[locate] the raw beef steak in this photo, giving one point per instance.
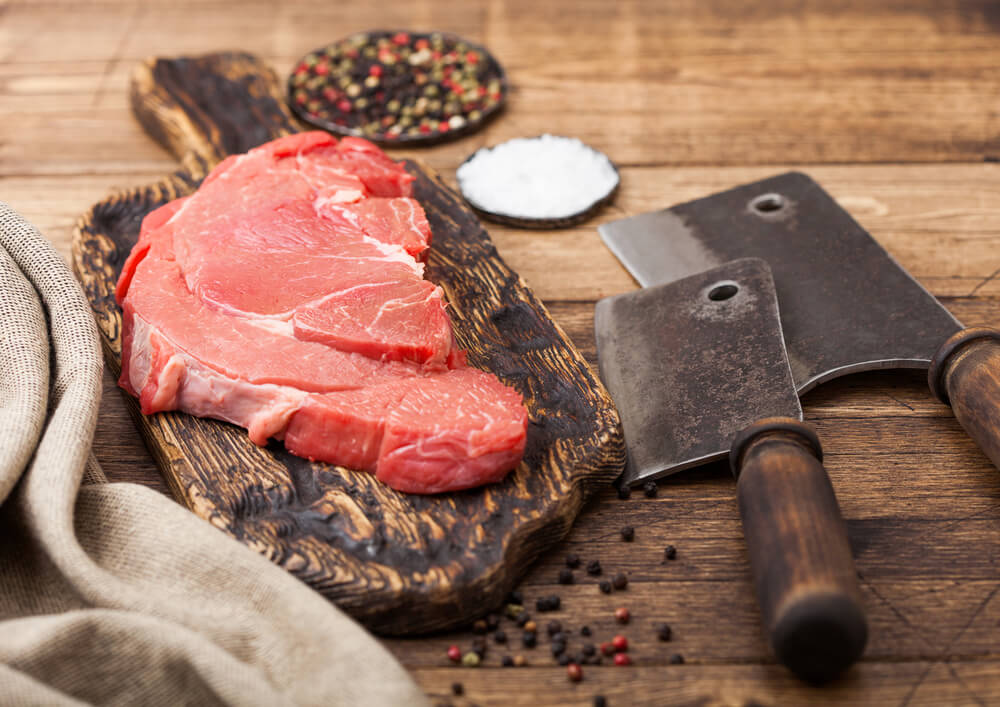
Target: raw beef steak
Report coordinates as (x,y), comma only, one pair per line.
(287,296)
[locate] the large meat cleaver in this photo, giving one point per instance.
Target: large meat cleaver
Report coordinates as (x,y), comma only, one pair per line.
(698,371)
(846,305)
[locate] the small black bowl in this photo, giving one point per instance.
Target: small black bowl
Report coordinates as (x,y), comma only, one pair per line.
(543,224)
(491,69)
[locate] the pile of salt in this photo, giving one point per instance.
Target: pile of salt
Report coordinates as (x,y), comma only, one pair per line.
(545,177)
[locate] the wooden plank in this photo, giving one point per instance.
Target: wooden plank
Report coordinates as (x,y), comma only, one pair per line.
(809,84)
(942,222)
(671,685)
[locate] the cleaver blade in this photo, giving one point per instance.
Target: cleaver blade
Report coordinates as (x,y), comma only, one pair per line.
(846,304)
(698,371)
(689,367)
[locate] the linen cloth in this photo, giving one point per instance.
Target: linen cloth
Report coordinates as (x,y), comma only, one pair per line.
(111,593)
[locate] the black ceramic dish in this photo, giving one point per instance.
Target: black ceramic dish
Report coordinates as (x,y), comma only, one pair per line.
(488,69)
(546,223)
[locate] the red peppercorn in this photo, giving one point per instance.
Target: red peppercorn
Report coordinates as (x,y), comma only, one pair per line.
(472,57)
(344,105)
(421,44)
(375,70)
(622,659)
(454,654)
(351,53)
(322,69)
(400,38)
(425,128)
(622,615)
(620,644)
(330,93)
(574,672)
(481,91)
(302,69)
(607,648)
(443,127)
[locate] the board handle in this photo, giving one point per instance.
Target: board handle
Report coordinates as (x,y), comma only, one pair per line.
(205,108)
(803,571)
(965,374)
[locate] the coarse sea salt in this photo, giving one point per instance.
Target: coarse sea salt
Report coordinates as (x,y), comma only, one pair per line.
(545,177)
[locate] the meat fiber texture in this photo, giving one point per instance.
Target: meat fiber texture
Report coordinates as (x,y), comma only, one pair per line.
(287,296)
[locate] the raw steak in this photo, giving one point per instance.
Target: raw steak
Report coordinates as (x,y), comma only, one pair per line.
(287,296)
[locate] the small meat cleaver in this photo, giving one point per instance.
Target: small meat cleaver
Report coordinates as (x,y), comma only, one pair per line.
(846,305)
(698,371)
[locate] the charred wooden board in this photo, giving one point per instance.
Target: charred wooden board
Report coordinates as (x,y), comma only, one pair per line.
(399,563)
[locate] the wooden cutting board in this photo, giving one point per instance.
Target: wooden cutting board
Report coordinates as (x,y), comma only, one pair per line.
(399,563)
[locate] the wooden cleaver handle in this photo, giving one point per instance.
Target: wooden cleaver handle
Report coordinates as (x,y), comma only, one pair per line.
(804,574)
(965,373)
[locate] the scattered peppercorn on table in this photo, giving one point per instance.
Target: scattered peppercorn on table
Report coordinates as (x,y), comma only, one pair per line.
(649,600)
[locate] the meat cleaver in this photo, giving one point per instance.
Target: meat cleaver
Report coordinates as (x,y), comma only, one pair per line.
(698,370)
(846,304)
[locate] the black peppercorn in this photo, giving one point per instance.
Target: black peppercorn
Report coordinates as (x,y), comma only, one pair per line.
(523,618)
(649,488)
(585,630)
(664,632)
(553,628)
(558,648)
(670,552)
(563,659)
(492,621)
(600,701)
(529,639)
(620,581)
(624,492)
(676,659)
(572,561)
(589,649)
(457,689)
(628,533)
(507,661)
(549,603)
(605,586)
(565,576)
(594,568)
(500,636)
(479,646)
(515,597)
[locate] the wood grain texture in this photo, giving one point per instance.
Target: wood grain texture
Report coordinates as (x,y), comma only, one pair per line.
(399,563)
(890,106)
(965,373)
(803,571)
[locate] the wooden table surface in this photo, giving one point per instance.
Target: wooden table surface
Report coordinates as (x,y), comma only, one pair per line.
(894,107)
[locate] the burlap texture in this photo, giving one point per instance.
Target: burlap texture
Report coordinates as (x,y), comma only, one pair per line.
(113,594)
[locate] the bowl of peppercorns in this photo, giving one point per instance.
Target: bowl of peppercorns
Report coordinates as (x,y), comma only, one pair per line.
(398,87)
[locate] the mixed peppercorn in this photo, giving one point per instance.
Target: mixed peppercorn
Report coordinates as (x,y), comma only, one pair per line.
(397,86)
(561,642)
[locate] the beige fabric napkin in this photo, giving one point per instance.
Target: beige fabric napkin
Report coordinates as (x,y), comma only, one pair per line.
(113,594)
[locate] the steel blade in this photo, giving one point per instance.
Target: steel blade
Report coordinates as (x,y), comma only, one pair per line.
(846,304)
(689,368)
